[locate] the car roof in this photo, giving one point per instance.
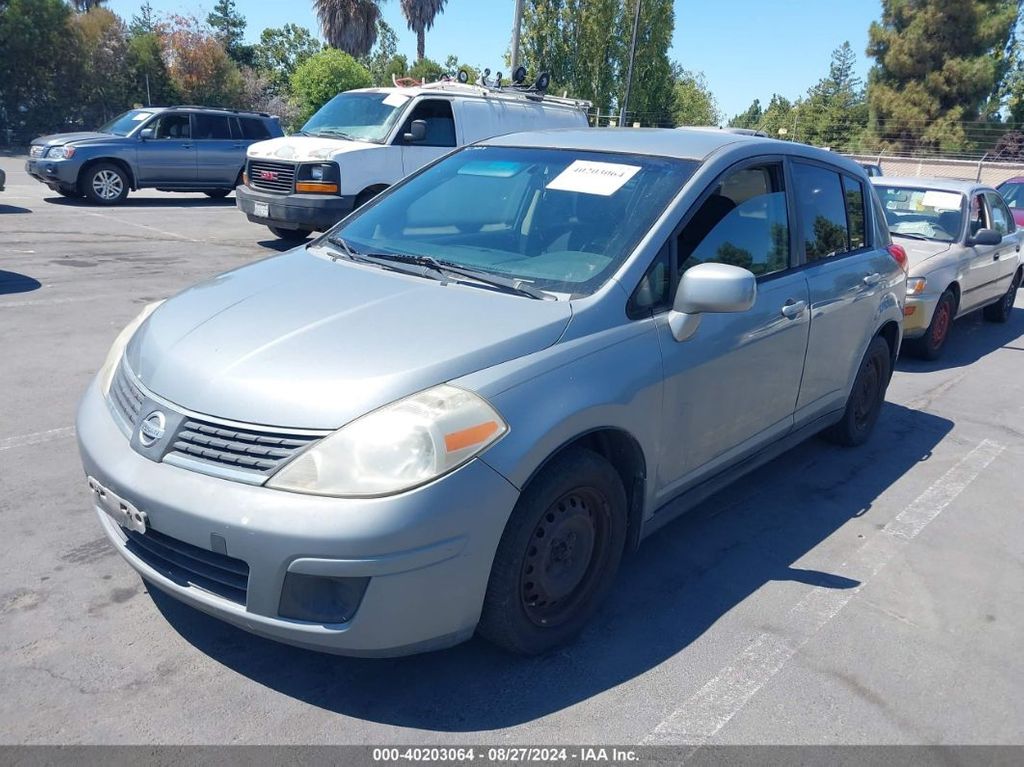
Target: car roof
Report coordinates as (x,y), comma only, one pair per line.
(200,108)
(681,143)
(924,182)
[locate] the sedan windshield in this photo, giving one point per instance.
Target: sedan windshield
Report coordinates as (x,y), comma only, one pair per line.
(557,220)
(358,116)
(928,214)
(124,124)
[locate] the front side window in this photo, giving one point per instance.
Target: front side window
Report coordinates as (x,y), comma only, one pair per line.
(357,116)
(979,215)
(1002,219)
(560,220)
(819,194)
(437,114)
(171,126)
(926,214)
(743,222)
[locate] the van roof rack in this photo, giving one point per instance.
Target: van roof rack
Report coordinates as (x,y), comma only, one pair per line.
(530,93)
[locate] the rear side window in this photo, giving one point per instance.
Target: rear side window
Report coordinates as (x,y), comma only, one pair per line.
(210,127)
(819,194)
(253,129)
(744,222)
(854,193)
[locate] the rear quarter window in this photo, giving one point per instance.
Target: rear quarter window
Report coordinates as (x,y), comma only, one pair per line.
(253,129)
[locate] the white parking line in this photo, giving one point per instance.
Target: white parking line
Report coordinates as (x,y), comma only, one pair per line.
(709,709)
(49,301)
(37,438)
(146,226)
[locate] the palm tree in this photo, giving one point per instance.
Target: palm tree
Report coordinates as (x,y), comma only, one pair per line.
(421,14)
(350,25)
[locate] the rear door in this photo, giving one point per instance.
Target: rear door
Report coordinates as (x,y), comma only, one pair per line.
(170,157)
(440,138)
(846,275)
(1007,254)
(220,152)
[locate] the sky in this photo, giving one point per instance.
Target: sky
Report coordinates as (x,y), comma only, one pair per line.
(746,49)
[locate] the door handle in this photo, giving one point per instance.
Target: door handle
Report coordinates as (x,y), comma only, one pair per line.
(872,279)
(186,146)
(793,309)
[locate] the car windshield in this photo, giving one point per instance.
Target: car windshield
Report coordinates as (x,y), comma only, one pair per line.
(359,116)
(1013,193)
(930,214)
(124,124)
(558,220)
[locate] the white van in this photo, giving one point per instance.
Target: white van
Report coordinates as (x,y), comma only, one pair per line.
(362,141)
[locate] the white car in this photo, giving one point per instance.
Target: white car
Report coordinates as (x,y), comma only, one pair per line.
(363,141)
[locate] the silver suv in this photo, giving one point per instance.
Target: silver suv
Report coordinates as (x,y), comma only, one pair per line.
(458,409)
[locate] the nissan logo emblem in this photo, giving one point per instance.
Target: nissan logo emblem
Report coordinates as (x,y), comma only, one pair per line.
(152,428)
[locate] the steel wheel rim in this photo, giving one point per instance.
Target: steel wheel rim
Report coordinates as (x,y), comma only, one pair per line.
(107,184)
(564,555)
(940,324)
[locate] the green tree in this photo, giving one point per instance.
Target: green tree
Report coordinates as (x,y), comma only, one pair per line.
(143,22)
(151,82)
(751,118)
(420,15)
(281,51)
(229,27)
(939,63)
(200,68)
(106,83)
(652,93)
(692,100)
(427,70)
(384,61)
(781,115)
(835,112)
(323,76)
(349,25)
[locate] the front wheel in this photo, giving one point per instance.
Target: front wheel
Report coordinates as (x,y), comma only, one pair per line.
(69,192)
(558,555)
(104,184)
(1000,311)
(292,235)
(218,194)
(931,344)
(867,397)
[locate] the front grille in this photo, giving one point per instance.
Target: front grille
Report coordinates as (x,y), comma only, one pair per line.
(126,396)
(272,176)
(250,449)
(189,565)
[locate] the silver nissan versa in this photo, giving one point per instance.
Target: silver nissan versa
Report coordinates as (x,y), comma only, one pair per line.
(458,409)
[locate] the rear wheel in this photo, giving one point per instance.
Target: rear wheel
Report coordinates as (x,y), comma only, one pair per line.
(1000,311)
(931,344)
(558,555)
(104,184)
(866,400)
(292,235)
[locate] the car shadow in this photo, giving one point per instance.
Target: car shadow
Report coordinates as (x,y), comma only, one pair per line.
(685,578)
(7,209)
(13,282)
(170,201)
(971,338)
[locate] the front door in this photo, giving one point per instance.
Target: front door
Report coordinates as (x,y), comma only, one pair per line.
(439,139)
(170,156)
(733,386)
(979,268)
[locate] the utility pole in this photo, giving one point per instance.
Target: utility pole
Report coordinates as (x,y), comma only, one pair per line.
(516,26)
(629,72)
(149,99)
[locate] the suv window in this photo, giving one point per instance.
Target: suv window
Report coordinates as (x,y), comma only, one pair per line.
(820,196)
(437,114)
(1002,219)
(743,222)
(172,126)
(210,127)
(253,129)
(854,192)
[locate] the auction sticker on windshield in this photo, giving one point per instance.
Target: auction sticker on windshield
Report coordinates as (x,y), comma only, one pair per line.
(589,177)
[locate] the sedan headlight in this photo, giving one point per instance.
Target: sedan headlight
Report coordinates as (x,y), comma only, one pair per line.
(117,348)
(915,286)
(60,152)
(397,447)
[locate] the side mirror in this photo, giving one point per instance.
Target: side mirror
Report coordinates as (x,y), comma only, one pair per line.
(714,288)
(147,134)
(987,237)
(417,132)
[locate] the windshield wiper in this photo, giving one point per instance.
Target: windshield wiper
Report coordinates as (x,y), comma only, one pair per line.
(911,235)
(331,132)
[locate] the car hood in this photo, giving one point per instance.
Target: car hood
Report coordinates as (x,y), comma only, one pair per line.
(83,137)
(919,251)
(305,148)
(300,341)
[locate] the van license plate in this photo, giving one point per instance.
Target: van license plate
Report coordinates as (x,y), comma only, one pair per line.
(261,209)
(117,508)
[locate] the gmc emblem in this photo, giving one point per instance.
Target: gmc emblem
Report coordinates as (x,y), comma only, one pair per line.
(268,175)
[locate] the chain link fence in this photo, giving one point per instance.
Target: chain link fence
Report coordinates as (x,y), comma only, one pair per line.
(990,172)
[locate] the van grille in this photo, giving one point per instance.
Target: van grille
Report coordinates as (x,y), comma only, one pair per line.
(126,396)
(189,565)
(272,176)
(247,449)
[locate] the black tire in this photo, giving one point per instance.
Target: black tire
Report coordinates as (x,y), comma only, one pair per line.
(104,183)
(218,194)
(866,400)
(933,342)
(365,196)
(1001,310)
(69,192)
(540,595)
(292,235)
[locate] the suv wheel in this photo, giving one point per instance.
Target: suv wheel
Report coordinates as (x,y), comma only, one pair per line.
(866,400)
(1000,311)
(217,194)
(69,191)
(104,184)
(292,235)
(558,555)
(931,344)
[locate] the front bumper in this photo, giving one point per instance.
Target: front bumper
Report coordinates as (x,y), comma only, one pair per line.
(917,314)
(316,212)
(53,173)
(427,553)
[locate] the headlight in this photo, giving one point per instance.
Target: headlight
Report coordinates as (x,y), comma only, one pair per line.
(317,173)
(397,447)
(915,286)
(60,152)
(117,348)
(37,150)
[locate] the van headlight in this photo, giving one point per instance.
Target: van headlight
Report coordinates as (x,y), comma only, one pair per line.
(117,348)
(397,447)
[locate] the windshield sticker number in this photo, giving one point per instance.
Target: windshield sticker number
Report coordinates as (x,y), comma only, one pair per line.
(141,116)
(941,200)
(587,177)
(396,99)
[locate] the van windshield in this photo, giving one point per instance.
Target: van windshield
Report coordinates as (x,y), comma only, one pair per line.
(558,220)
(357,116)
